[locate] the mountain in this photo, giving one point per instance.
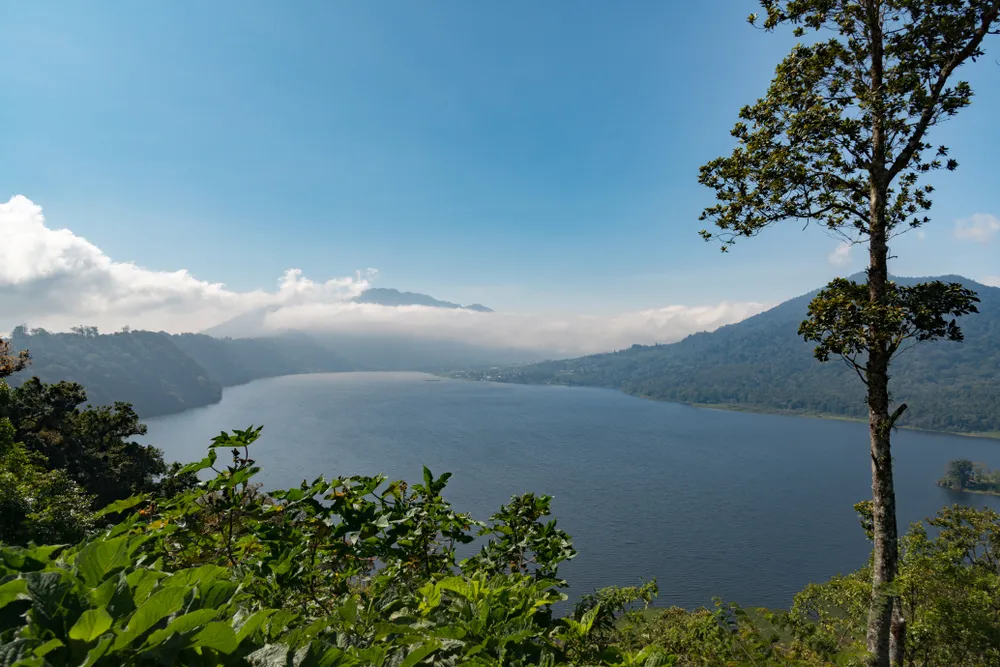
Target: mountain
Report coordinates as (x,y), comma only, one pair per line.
(233,361)
(385,350)
(143,368)
(762,364)
(252,323)
(392,297)
(159,373)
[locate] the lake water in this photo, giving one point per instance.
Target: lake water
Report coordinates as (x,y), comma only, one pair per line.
(712,503)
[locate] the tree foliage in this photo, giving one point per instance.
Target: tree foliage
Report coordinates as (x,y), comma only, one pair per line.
(948,585)
(92,446)
(841,139)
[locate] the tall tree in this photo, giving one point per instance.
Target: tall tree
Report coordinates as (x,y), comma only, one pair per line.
(841,139)
(11,362)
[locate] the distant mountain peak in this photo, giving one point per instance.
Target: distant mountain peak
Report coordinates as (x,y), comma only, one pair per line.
(387,296)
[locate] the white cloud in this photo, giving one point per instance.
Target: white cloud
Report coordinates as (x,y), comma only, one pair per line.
(992,281)
(921,235)
(980,227)
(841,254)
(54,279)
(565,334)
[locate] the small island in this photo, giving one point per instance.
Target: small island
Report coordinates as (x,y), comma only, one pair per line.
(965,475)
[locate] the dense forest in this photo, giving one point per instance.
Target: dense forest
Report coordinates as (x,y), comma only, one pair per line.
(763,364)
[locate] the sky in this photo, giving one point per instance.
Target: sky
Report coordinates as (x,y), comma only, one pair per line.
(172,162)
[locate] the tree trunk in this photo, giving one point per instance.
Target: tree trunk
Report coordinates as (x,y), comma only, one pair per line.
(877,371)
(897,636)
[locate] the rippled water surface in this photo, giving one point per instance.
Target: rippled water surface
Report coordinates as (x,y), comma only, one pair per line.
(742,506)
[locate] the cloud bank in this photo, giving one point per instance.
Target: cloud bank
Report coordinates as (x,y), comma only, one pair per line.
(54,279)
(980,228)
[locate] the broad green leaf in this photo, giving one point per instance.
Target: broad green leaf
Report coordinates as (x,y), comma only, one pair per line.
(159,605)
(121,506)
(198,466)
(142,582)
(92,624)
(218,636)
(181,624)
(348,611)
(279,621)
(217,593)
(47,648)
(250,625)
(13,590)
(98,651)
(101,557)
(418,654)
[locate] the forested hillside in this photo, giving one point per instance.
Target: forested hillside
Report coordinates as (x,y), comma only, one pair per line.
(143,368)
(234,361)
(763,364)
(160,373)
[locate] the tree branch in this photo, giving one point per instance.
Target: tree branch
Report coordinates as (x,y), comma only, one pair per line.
(928,113)
(897,413)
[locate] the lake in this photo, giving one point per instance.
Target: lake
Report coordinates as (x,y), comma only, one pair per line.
(712,503)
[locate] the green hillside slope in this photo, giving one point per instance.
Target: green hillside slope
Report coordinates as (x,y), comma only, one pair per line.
(143,368)
(762,364)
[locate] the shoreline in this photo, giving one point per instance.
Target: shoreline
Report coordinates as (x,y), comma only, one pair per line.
(979,492)
(986,435)
(756,410)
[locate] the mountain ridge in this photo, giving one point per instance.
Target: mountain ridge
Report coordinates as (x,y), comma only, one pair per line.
(761,364)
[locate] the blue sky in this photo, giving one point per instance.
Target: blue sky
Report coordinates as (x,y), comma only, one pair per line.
(527,155)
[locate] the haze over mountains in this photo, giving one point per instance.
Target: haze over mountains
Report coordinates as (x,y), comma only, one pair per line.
(759,363)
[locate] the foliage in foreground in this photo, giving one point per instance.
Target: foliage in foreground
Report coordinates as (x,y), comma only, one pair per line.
(62,459)
(364,571)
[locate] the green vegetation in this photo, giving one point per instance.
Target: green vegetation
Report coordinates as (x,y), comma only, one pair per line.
(363,571)
(761,364)
(841,138)
(59,463)
(109,558)
(964,475)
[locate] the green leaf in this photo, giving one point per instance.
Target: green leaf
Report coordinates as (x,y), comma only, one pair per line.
(13,590)
(218,636)
(217,593)
(159,605)
(47,648)
(98,651)
(247,627)
(181,624)
(100,558)
(419,654)
(198,466)
(142,582)
(92,624)
(121,506)
(348,611)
